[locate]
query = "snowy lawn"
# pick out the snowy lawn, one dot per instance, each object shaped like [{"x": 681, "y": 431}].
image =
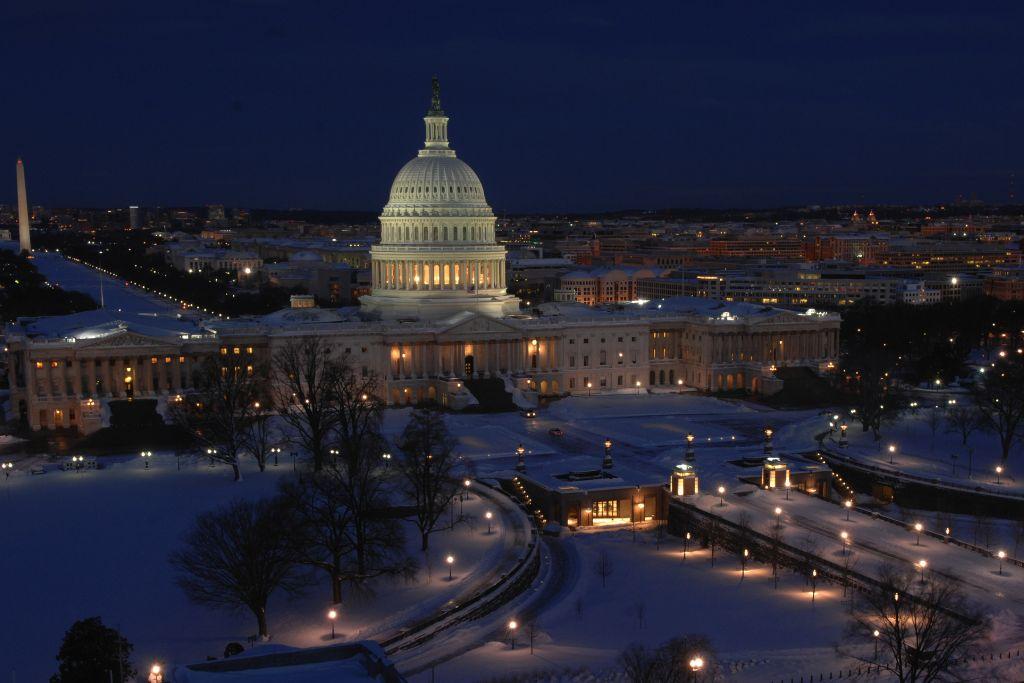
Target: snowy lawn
[
  {"x": 96, "y": 543},
  {"x": 921, "y": 451},
  {"x": 741, "y": 614}
]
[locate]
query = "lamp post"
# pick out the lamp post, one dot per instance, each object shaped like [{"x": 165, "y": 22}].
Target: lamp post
[
  {"x": 848, "y": 504},
  {"x": 590, "y": 385},
  {"x": 921, "y": 565},
  {"x": 679, "y": 383},
  {"x": 743, "y": 564},
  {"x": 386, "y": 457},
  {"x": 778, "y": 517},
  {"x": 638, "y": 385},
  {"x": 156, "y": 674},
  {"x": 768, "y": 432},
  {"x": 892, "y": 451},
  {"x": 8, "y": 467},
  {"x": 276, "y": 450},
  {"x": 146, "y": 455},
  {"x": 686, "y": 545},
  {"x": 696, "y": 664},
  {"x": 607, "y": 463},
  {"x": 79, "y": 462},
  {"x": 488, "y": 516},
  {"x": 846, "y": 542},
  {"x": 210, "y": 452},
  {"x": 690, "y": 438},
  {"x": 875, "y": 633},
  {"x": 450, "y": 560},
  {"x": 918, "y": 527},
  {"x": 512, "y": 626},
  {"x": 842, "y": 436},
  {"x": 1002, "y": 556},
  {"x": 814, "y": 584},
  {"x": 721, "y": 496},
  {"x": 787, "y": 486},
  {"x": 999, "y": 474},
  {"x": 521, "y": 462},
  {"x": 332, "y": 615}
]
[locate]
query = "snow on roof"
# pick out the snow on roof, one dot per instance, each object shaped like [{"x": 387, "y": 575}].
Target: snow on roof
[
  {"x": 584, "y": 473},
  {"x": 104, "y": 322}
]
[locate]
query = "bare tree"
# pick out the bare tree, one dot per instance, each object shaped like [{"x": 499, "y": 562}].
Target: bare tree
[
  {"x": 261, "y": 435},
  {"x": 639, "y": 611},
  {"x": 236, "y": 556},
  {"x": 218, "y": 413},
  {"x": 963, "y": 420},
  {"x": 604, "y": 567},
  {"x": 670, "y": 662},
  {"x": 428, "y": 465},
  {"x": 639, "y": 664},
  {"x": 1000, "y": 402},
  {"x": 775, "y": 552},
  {"x": 934, "y": 422},
  {"x": 920, "y": 636},
  {"x": 304, "y": 378}
]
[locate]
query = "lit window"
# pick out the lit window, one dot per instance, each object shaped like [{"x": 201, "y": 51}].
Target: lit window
[
  {"x": 236, "y": 350},
  {"x": 39, "y": 365},
  {"x": 223, "y": 351},
  {"x": 248, "y": 350}
]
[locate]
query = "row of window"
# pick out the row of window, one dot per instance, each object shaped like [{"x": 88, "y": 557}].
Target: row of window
[
  {"x": 99, "y": 362},
  {"x": 586, "y": 340},
  {"x": 452, "y": 189}
]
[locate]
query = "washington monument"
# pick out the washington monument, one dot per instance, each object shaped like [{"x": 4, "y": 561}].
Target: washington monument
[{"x": 23, "y": 236}]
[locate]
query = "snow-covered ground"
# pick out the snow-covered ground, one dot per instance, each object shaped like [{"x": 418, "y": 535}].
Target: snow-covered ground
[
  {"x": 96, "y": 543},
  {"x": 925, "y": 446}
]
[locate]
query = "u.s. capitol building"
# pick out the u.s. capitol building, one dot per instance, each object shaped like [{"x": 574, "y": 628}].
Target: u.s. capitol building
[{"x": 438, "y": 326}]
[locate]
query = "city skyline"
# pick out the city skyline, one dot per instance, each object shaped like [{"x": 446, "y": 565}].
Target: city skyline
[{"x": 560, "y": 110}]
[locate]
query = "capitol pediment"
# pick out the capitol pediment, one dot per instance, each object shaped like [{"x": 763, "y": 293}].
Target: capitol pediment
[
  {"x": 475, "y": 324},
  {"x": 120, "y": 339}
]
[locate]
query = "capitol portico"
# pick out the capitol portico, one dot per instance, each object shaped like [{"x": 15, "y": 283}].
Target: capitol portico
[{"x": 438, "y": 327}]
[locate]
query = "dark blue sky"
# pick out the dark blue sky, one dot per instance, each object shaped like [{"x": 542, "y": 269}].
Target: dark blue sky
[{"x": 558, "y": 106}]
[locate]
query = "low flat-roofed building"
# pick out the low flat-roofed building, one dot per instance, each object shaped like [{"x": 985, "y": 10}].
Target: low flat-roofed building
[{"x": 579, "y": 493}]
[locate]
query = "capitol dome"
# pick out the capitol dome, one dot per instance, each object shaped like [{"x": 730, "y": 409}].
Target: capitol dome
[{"x": 437, "y": 253}]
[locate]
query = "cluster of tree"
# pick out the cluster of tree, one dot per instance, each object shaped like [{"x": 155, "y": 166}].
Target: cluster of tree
[
  {"x": 867, "y": 382},
  {"x": 340, "y": 513},
  {"x": 925, "y": 343},
  {"x": 25, "y": 292},
  {"x": 678, "y": 660},
  {"x": 92, "y": 652},
  {"x": 126, "y": 254}
]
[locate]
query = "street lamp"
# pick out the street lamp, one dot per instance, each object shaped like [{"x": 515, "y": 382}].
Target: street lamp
[
  {"x": 450, "y": 560},
  {"x": 488, "y": 516},
  {"x": 607, "y": 464},
  {"x": 590, "y": 385},
  {"x": 696, "y": 664},
  {"x": 146, "y": 455},
  {"x": 814, "y": 584},
  {"x": 210, "y": 452},
  {"x": 332, "y": 615},
  {"x": 1002, "y": 556},
  {"x": 276, "y": 450},
  {"x": 875, "y": 633},
  {"x": 79, "y": 462},
  {"x": 848, "y": 504},
  {"x": 921, "y": 565},
  {"x": 721, "y": 496},
  {"x": 686, "y": 545},
  {"x": 690, "y": 438},
  {"x": 999, "y": 474},
  {"x": 846, "y": 542},
  {"x": 918, "y": 527},
  {"x": 768, "y": 432},
  {"x": 8, "y": 467},
  {"x": 892, "y": 451},
  {"x": 512, "y": 626},
  {"x": 638, "y": 384},
  {"x": 386, "y": 457},
  {"x": 679, "y": 383},
  {"x": 156, "y": 674},
  {"x": 787, "y": 486},
  {"x": 743, "y": 564},
  {"x": 842, "y": 435},
  {"x": 521, "y": 462},
  {"x": 778, "y": 517}
]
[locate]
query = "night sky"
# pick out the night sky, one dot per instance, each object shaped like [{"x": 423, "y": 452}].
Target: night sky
[{"x": 558, "y": 106}]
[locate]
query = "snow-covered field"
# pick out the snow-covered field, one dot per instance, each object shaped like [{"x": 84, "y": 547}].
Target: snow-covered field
[
  {"x": 925, "y": 446},
  {"x": 96, "y": 543}
]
